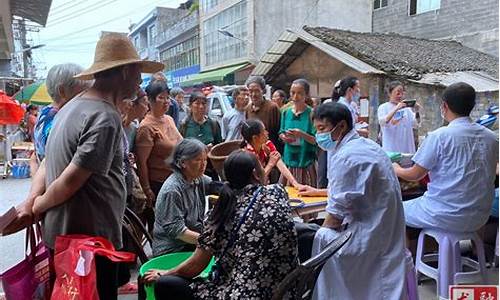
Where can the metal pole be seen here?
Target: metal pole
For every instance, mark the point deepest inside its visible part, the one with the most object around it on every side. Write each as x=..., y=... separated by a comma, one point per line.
x=22, y=32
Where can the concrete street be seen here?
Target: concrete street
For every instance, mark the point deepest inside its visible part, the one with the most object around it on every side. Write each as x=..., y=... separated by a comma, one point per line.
x=13, y=191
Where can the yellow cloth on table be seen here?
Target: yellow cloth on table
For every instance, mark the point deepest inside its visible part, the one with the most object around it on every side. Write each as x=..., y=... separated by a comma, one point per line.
x=293, y=193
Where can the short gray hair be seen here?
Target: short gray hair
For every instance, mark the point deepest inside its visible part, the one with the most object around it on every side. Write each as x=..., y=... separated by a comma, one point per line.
x=62, y=75
x=186, y=149
x=256, y=79
x=176, y=91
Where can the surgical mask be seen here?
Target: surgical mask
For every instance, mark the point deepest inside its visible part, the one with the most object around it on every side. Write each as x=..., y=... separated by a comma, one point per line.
x=442, y=112
x=356, y=96
x=325, y=141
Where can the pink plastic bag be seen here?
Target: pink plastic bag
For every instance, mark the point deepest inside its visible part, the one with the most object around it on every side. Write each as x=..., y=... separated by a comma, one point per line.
x=29, y=279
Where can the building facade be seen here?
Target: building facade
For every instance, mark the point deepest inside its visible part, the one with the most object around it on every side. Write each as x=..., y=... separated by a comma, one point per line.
x=179, y=49
x=239, y=31
x=473, y=23
x=143, y=34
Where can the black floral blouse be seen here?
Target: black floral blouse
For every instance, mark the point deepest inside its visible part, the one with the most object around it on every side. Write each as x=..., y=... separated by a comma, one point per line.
x=264, y=252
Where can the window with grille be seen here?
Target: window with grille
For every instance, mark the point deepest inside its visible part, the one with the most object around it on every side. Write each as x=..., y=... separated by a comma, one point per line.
x=379, y=3
x=421, y=6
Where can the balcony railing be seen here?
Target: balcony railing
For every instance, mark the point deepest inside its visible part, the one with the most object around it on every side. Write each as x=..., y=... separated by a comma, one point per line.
x=176, y=29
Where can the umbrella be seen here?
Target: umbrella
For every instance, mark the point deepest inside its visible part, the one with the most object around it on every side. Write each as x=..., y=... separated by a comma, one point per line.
x=10, y=111
x=35, y=93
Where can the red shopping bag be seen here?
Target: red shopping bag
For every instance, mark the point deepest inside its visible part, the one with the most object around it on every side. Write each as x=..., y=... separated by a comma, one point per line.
x=30, y=278
x=75, y=266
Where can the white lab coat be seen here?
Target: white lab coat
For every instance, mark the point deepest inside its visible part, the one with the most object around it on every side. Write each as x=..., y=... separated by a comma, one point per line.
x=461, y=159
x=397, y=135
x=363, y=190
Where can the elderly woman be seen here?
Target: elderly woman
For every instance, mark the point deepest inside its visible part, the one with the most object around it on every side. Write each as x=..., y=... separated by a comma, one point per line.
x=178, y=95
x=251, y=234
x=135, y=111
x=62, y=87
x=155, y=140
x=154, y=143
x=297, y=132
x=180, y=206
x=199, y=126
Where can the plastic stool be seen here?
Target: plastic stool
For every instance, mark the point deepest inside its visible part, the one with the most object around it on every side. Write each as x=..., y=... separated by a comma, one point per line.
x=450, y=261
x=411, y=277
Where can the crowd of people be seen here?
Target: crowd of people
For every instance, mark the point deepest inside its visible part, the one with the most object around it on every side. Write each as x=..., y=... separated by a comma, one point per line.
x=105, y=144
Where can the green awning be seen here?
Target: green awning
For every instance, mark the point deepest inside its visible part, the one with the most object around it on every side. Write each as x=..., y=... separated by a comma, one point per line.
x=214, y=75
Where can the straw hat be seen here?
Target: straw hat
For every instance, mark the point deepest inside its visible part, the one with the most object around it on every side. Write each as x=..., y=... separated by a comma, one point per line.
x=115, y=50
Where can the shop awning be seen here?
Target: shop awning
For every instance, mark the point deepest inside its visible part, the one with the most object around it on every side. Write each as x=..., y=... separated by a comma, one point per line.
x=214, y=75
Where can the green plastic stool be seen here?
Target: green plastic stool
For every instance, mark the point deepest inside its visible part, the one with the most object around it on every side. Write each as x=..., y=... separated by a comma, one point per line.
x=167, y=262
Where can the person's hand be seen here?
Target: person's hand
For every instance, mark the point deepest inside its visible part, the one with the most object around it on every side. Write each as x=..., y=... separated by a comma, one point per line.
x=295, y=133
x=152, y=275
x=150, y=196
x=131, y=159
x=24, y=218
x=286, y=138
x=306, y=190
x=416, y=108
x=400, y=105
x=396, y=167
x=299, y=186
x=274, y=157
x=209, y=146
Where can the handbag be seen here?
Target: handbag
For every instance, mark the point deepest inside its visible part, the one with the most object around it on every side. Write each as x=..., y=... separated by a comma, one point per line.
x=217, y=270
x=29, y=279
x=75, y=265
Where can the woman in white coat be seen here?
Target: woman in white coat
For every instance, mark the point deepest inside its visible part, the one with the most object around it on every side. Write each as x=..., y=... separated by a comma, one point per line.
x=397, y=121
x=363, y=197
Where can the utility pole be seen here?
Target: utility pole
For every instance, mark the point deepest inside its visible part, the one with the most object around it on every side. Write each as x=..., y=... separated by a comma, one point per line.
x=22, y=35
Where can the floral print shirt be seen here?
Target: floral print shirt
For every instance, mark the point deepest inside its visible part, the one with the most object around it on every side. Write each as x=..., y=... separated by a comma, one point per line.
x=263, y=253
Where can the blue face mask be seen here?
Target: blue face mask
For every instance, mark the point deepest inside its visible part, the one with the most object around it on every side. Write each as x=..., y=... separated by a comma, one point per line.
x=356, y=96
x=325, y=141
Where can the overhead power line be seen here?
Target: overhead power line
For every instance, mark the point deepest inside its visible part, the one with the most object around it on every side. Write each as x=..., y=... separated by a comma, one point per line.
x=105, y=22
x=56, y=9
x=82, y=12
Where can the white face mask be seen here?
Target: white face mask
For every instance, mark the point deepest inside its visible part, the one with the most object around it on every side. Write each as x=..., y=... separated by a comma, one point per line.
x=442, y=112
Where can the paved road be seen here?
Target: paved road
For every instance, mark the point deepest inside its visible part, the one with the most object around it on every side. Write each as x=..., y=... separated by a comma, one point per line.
x=12, y=192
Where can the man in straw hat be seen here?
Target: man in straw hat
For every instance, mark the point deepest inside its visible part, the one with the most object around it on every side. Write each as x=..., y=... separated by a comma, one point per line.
x=80, y=186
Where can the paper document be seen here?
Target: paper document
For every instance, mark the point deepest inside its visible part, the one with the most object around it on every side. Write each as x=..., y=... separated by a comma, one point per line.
x=7, y=218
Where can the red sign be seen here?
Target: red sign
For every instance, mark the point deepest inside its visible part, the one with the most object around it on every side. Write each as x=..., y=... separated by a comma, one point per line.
x=473, y=292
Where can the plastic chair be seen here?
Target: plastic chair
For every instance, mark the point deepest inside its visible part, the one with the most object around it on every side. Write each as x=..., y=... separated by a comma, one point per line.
x=303, y=278
x=450, y=269
x=411, y=277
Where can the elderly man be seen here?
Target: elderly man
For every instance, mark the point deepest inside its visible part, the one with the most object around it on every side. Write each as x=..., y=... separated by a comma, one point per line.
x=62, y=87
x=266, y=111
x=461, y=160
x=178, y=95
x=231, y=121
x=80, y=186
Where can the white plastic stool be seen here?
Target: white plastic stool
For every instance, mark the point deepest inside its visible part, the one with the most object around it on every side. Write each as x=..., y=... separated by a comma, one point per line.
x=450, y=261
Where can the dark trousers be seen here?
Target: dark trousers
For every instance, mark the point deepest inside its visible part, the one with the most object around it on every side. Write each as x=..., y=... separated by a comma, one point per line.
x=149, y=213
x=173, y=287
x=305, y=237
x=106, y=278
x=322, y=169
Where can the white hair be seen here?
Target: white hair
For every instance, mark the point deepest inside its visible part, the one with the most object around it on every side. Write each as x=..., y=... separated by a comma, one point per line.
x=62, y=76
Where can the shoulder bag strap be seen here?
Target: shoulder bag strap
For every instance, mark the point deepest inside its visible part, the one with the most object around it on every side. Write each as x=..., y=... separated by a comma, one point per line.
x=234, y=233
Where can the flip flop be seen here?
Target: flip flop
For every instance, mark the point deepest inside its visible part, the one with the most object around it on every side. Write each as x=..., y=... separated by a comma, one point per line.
x=129, y=288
